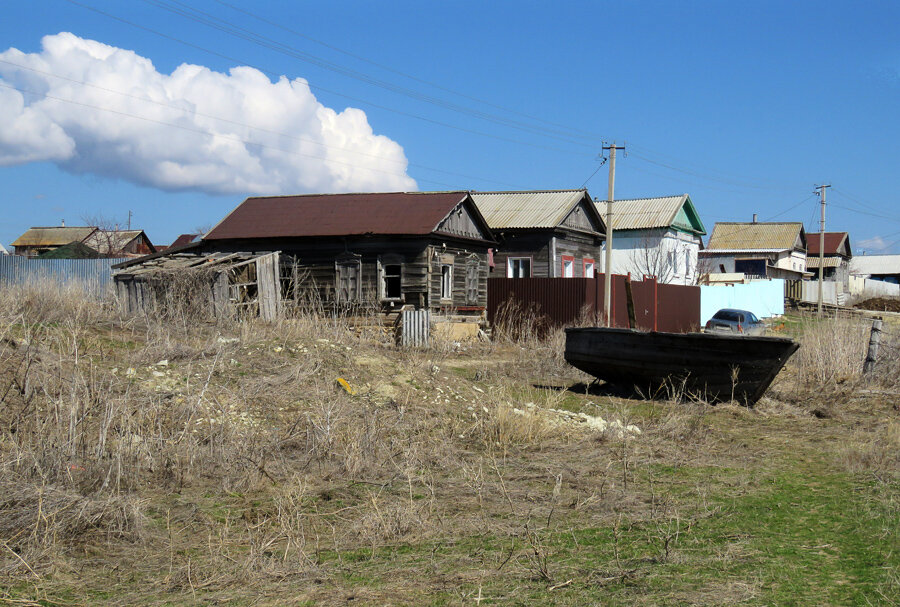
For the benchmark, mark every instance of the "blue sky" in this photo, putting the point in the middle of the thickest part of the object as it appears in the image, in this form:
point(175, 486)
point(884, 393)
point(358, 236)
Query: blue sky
point(745, 106)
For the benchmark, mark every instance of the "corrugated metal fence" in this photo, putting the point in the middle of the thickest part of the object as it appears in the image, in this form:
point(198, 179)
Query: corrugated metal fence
point(94, 274)
point(415, 328)
point(564, 301)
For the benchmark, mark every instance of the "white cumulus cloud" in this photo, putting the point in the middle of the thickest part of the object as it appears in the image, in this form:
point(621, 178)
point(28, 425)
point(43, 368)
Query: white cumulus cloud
point(94, 108)
point(875, 244)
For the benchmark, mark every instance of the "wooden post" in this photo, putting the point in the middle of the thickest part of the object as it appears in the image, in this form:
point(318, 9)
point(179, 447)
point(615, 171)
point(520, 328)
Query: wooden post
point(629, 298)
point(874, 342)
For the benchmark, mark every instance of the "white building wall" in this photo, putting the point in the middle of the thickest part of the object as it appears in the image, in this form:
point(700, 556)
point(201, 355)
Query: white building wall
point(671, 256)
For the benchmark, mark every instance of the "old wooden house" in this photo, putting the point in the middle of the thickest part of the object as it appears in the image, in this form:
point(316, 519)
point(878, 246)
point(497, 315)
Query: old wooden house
point(837, 255)
point(38, 240)
point(383, 251)
point(553, 234)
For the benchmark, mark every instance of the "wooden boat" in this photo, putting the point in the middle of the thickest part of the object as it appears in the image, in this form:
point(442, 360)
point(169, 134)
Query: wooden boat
point(713, 367)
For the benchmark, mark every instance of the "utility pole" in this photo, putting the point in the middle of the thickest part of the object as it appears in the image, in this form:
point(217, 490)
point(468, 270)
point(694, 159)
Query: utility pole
point(610, 196)
point(820, 190)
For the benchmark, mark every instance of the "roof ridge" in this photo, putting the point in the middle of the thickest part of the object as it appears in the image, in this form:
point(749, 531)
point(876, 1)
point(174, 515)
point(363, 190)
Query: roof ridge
point(310, 194)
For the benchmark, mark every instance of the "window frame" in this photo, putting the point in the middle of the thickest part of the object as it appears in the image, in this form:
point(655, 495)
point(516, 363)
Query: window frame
point(342, 264)
point(584, 264)
point(383, 262)
point(446, 282)
point(509, 265)
point(473, 279)
point(563, 260)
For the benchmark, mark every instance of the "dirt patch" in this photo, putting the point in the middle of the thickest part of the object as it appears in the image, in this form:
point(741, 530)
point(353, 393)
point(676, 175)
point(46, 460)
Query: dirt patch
point(880, 304)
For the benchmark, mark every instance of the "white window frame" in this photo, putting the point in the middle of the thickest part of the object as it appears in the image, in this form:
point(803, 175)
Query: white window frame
point(570, 261)
point(446, 282)
point(586, 263)
point(510, 262)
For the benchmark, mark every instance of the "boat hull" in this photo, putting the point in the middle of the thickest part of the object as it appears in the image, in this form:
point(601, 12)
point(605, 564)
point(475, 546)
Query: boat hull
point(698, 365)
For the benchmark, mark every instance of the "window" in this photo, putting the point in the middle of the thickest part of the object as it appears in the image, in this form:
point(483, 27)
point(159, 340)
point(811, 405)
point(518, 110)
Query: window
point(446, 281)
point(347, 280)
point(472, 282)
point(568, 266)
point(588, 267)
point(391, 280)
point(518, 267)
point(687, 262)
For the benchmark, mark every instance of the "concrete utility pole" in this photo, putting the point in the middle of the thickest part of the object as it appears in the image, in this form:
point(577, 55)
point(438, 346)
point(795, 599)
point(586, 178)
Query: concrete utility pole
point(610, 196)
point(820, 190)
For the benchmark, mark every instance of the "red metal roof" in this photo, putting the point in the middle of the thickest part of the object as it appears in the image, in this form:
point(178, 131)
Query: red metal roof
point(185, 239)
point(412, 213)
point(833, 241)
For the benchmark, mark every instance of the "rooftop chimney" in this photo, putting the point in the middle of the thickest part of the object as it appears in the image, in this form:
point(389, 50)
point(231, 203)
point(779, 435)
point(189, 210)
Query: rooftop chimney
point(754, 218)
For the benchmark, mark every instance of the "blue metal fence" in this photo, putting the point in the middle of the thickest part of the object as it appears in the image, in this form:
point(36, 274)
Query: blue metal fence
point(91, 273)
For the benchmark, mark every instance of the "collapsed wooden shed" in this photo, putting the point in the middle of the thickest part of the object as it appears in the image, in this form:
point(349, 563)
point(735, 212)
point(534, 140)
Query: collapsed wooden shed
point(213, 284)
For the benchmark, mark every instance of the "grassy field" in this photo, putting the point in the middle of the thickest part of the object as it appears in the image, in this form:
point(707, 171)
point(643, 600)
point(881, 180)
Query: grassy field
point(174, 461)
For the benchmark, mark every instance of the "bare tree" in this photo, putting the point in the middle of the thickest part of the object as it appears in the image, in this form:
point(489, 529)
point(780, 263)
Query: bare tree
point(106, 240)
point(650, 258)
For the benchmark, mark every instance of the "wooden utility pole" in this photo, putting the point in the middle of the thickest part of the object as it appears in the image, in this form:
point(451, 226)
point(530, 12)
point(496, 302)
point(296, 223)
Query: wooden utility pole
point(820, 190)
point(610, 196)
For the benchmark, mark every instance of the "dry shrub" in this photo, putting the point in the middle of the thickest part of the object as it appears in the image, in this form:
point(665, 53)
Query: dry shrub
point(36, 521)
point(887, 368)
point(519, 322)
point(831, 352)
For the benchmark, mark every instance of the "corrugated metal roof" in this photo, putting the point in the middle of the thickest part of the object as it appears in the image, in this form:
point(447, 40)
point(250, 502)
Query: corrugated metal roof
point(390, 213)
point(829, 262)
point(868, 265)
point(642, 213)
point(754, 236)
point(535, 209)
point(833, 242)
point(52, 236)
point(111, 241)
point(657, 212)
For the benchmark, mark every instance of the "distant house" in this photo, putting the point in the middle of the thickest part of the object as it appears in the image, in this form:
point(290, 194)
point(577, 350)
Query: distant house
point(185, 239)
point(837, 256)
point(120, 243)
point(43, 239)
point(553, 233)
point(756, 249)
point(877, 267)
point(421, 250)
point(659, 237)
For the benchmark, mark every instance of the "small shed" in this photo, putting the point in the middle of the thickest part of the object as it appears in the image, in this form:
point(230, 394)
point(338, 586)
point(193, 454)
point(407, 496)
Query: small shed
point(205, 284)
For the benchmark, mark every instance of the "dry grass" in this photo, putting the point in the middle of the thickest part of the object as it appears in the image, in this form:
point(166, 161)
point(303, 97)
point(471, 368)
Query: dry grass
point(221, 461)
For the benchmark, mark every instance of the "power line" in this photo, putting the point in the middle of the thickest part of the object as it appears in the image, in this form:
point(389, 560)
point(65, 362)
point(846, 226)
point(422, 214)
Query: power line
point(400, 72)
point(236, 123)
point(218, 135)
point(275, 74)
point(248, 35)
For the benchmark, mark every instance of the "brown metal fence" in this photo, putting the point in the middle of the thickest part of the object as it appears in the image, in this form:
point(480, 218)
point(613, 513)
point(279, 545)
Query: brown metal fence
point(564, 301)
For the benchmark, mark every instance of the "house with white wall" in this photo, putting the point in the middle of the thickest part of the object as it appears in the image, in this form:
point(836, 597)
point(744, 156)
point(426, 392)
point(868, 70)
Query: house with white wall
point(658, 237)
point(756, 249)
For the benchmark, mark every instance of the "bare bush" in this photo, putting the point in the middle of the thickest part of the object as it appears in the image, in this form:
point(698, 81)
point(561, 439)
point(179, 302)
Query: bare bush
point(832, 351)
